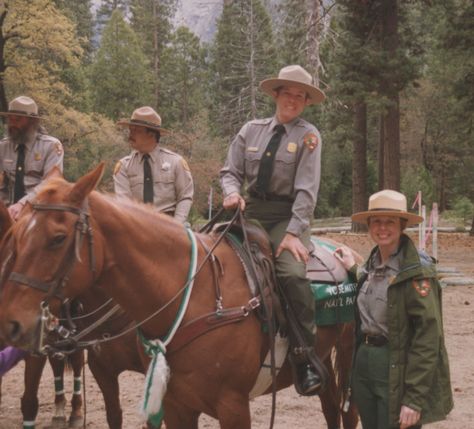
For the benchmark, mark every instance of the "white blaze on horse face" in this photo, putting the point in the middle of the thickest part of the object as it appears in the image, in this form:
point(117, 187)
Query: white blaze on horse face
point(31, 224)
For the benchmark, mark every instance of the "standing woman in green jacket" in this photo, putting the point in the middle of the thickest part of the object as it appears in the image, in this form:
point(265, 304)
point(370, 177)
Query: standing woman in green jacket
point(401, 373)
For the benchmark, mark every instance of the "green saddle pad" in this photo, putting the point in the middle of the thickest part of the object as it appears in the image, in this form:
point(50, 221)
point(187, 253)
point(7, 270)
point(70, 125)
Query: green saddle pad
point(334, 303)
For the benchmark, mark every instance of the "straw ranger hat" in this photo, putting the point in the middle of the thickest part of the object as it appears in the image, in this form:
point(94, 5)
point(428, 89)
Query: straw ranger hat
point(144, 117)
point(22, 106)
point(387, 203)
point(294, 76)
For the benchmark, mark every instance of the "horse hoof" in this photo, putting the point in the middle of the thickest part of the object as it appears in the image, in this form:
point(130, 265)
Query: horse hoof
point(57, 423)
point(76, 422)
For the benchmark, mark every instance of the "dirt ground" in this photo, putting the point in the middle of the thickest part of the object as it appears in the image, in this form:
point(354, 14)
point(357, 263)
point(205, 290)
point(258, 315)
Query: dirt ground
point(455, 251)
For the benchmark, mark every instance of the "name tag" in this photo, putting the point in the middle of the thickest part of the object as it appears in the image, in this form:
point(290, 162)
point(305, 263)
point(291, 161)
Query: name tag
point(252, 149)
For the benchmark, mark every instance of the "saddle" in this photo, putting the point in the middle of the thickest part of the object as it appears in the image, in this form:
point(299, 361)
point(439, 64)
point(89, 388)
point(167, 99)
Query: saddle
point(323, 266)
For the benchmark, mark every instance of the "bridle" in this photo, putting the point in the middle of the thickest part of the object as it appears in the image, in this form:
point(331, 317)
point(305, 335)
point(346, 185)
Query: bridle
point(54, 288)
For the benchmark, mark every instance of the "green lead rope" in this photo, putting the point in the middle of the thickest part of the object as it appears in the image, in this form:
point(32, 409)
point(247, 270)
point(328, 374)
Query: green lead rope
point(158, 371)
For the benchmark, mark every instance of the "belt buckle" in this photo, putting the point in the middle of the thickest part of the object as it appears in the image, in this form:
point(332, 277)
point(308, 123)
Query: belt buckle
point(366, 339)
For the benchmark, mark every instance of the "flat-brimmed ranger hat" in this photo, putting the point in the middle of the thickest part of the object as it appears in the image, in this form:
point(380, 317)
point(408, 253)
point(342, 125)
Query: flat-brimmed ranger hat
point(22, 106)
point(294, 75)
point(387, 203)
point(144, 117)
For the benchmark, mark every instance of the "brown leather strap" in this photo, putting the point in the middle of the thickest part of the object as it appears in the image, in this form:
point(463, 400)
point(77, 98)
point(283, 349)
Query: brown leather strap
point(203, 324)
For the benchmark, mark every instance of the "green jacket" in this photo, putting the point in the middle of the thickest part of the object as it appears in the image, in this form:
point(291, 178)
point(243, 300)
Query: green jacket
point(419, 369)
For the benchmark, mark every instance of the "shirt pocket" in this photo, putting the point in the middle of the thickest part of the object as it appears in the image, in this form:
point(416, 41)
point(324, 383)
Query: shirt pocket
point(136, 186)
point(164, 186)
point(252, 163)
point(284, 171)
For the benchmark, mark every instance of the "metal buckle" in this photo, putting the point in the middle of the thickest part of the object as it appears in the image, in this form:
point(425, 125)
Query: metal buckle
point(254, 303)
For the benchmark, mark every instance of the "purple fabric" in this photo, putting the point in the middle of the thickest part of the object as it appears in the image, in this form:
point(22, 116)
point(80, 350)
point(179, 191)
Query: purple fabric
point(9, 357)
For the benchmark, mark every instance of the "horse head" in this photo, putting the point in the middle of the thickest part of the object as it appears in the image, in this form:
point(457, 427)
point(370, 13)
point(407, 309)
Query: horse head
point(53, 247)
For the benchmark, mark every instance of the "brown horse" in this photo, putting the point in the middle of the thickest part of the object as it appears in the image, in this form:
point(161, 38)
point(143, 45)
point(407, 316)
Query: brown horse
point(106, 362)
point(141, 259)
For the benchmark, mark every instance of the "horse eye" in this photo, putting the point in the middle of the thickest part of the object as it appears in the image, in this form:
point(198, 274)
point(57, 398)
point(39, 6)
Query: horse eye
point(57, 241)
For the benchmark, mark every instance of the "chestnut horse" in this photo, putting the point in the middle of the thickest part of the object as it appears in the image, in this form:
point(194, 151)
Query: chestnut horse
point(72, 238)
point(106, 362)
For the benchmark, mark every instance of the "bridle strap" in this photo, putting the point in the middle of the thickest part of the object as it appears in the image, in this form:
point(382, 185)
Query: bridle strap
point(36, 284)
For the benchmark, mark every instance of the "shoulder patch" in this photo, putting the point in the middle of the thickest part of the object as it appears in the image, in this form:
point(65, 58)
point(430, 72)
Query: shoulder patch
point(117, 167)
point(311, 141)
point(185, 164)
point(422, 286)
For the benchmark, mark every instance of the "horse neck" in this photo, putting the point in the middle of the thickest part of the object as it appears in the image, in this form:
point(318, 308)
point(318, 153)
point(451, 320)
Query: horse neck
point(145, 259)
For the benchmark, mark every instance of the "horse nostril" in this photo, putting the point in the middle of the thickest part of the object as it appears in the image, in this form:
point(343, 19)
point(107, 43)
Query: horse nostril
point(14, 332)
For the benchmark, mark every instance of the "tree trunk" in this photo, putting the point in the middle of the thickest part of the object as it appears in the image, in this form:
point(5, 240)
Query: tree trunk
point(359, 163)
point(391, 118)
point(156, 57)
point(3, 66)
point(472, 227)
point(313, 36)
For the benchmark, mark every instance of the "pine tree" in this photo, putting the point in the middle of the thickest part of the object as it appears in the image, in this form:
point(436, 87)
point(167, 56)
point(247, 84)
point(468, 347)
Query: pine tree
point(151, 20)
point(120, 74)
point(184, 78)
point(243, 54)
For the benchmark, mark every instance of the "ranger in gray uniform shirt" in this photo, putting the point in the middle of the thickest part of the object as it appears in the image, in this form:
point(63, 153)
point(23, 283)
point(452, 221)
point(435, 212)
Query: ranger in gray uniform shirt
point(152, 174)
point(27, 154)
point(279, 159)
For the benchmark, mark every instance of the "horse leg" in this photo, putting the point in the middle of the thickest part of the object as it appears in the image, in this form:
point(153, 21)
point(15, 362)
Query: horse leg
point(345, 348)
point(109, 386)
point(34, 366)
point(233, 411)
point(329, 402)
point(59, 418)
point(77, 362)
point(178, 415)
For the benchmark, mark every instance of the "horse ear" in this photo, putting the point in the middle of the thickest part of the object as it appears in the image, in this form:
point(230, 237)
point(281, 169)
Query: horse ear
point(54, 172)
point(86, 184)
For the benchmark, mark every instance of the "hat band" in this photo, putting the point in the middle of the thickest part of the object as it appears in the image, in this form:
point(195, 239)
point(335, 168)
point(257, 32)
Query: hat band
point(386, 210)
point(22, 112)
point(147, 123)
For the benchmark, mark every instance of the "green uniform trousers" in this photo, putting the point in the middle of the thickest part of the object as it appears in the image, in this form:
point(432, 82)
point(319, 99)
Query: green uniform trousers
point(370, 386)
point(274, 216)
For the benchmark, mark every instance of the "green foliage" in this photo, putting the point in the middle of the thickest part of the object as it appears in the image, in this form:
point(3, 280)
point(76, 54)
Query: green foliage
point(184, 78)
point(463, 208)
point(41, 43)
point(416, 179)
point(120, 75)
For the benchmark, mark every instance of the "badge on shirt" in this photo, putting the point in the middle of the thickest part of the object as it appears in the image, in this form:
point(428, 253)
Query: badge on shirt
point(117, 167)
point(292, 147)
point(37, 156)
point(185, 164)
point(59, 148)
point(311, 141)
point(423, 287)
point(165, 166)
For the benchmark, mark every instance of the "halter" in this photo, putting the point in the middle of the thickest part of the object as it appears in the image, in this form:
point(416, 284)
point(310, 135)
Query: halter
point(54, 288)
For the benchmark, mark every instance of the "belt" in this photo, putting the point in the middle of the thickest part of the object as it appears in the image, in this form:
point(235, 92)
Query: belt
point(270, 197)
point(375, 340)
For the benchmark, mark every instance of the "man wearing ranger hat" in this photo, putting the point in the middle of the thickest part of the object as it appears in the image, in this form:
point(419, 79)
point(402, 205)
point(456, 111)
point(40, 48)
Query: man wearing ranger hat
point(152, 174)
point(27, 154)
point(279, 159)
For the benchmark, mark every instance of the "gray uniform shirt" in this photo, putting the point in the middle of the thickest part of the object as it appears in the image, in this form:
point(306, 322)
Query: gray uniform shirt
point(41, 155)
point(297, 165)
point(172, 181)
point(372, 298)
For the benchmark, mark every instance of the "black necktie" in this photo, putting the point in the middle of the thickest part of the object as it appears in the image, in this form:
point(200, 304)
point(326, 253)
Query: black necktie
point(266, 163)
point(147, 180)
point(19, 189)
